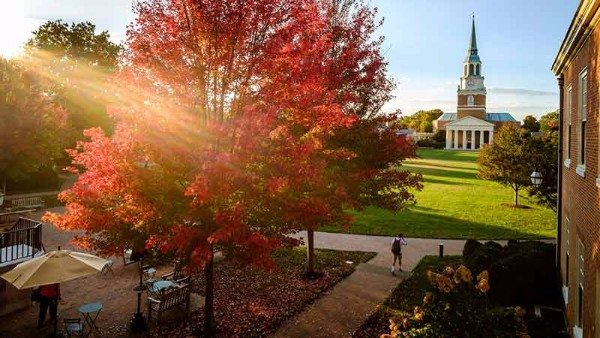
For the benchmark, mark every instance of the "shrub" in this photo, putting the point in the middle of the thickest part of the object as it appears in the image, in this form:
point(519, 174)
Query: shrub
point(430, 143)
point(522, 272)
point(456, 305)
point(440, 136)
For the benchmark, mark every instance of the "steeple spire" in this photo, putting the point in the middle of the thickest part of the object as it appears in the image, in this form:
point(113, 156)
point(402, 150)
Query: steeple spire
point(473, 42)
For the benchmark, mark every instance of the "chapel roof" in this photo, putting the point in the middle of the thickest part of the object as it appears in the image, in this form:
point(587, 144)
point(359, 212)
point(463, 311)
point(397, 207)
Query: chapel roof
point(490, 117)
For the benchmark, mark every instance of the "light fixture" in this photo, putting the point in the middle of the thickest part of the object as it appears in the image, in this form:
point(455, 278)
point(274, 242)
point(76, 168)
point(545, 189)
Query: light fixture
point(536, 178)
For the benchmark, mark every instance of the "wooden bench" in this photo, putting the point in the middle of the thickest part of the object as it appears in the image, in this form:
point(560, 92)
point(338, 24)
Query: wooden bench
point(163, 301)
point(34, 202)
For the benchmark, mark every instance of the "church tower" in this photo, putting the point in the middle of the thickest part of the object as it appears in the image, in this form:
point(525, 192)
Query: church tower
point(471, 91)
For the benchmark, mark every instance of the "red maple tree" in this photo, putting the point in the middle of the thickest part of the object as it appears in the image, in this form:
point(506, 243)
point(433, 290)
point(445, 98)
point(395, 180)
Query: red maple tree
point(239, 121)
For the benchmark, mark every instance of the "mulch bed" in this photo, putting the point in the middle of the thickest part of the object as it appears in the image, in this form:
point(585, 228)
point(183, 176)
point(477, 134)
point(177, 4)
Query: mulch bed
point(251, 302)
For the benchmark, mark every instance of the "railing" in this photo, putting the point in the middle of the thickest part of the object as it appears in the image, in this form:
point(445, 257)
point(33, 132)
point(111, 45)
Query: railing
point(13, 216)
point(22, 241)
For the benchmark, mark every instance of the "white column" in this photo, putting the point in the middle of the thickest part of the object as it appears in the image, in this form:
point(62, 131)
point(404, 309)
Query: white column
point(491, 136)
point(472, 139)
point(447, 138)
point(464, 143)
point(481, 133)
point(455, 145)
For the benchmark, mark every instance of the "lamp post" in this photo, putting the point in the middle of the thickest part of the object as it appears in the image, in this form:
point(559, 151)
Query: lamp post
point(536, 178)
point(138, 321)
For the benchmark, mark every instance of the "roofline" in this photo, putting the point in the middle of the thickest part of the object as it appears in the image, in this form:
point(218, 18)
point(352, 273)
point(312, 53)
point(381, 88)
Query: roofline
point(584, 20)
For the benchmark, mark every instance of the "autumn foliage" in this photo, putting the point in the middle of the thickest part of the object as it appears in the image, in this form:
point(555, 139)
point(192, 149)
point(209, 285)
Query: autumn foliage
point(238, 123)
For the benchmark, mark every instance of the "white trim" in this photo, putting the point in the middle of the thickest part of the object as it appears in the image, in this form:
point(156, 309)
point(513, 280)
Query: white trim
point(565, 293)
point(580, 170)
point(567, 163)
point(577, 332)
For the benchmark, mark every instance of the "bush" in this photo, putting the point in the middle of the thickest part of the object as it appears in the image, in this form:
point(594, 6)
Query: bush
point(522, 272)
point(440, 136)
point(430, 143)
point(456, 305)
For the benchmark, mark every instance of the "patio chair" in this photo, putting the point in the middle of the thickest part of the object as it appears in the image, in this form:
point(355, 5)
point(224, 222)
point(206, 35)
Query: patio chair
point(73, 327)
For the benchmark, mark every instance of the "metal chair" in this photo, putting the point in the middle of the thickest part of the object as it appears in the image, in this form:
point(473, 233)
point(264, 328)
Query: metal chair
point(73, 327)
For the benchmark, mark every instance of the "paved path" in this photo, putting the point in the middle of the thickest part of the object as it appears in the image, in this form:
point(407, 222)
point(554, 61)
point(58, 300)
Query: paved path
point(354, 299)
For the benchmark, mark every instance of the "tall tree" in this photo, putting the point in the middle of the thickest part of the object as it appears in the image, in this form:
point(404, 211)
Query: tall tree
point(75, 63)
point(549, 122)
point(544, 159)
point(507, 159)
point(30, 124)
point(234, 128)
point(531, 124)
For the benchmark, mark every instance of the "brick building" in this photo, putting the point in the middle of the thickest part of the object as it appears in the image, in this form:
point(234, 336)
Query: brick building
point(578, 238)
point(471, 126)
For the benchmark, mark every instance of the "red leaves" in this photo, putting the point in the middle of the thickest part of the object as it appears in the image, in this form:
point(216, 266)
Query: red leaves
point(239, 122)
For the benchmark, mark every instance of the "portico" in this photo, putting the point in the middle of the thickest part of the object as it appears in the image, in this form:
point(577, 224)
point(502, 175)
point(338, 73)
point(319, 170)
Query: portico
point(469, 133)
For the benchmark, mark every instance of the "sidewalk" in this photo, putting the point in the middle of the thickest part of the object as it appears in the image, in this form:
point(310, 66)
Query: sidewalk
point(355, 298)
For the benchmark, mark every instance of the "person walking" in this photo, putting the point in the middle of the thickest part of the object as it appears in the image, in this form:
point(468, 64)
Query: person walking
point(48, 296)
point(397, 244)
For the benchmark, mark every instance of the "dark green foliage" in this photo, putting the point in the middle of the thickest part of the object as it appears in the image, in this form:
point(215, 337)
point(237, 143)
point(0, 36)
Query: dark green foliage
point(440, 136)
point(531, 124)
point(430, 143)
point(544, 159)
point(44, 179)
point(479, 257)
point(521, 273)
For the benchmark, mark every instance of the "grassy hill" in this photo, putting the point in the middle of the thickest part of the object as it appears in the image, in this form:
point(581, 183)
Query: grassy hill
point(455, 203)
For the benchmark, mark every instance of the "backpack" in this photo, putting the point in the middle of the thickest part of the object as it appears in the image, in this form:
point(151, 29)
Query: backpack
point(396, 245)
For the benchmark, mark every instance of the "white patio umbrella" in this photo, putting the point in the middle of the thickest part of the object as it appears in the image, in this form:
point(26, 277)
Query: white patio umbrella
point(54, 267)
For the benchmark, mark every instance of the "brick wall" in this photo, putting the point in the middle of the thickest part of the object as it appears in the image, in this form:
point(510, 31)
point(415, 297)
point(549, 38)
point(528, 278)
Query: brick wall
point(581, 195)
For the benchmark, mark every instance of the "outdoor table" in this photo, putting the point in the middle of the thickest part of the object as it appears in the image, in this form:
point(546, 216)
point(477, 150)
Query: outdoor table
point(88, 310)
point(162, 285)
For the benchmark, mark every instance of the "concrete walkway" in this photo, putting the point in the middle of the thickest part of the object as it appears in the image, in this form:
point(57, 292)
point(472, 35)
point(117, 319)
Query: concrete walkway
point(354, 299)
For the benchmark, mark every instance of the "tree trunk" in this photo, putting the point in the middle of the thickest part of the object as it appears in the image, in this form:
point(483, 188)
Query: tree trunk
point(516, 197)
point(209, 320)
point(310, 253)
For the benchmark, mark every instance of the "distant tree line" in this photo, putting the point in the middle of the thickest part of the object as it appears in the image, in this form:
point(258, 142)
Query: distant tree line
point(421, 121)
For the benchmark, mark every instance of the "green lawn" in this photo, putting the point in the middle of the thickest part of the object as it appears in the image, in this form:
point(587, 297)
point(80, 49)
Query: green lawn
point(455, 203)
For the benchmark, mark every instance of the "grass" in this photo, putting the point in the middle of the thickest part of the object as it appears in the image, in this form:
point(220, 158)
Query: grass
point(455, 203)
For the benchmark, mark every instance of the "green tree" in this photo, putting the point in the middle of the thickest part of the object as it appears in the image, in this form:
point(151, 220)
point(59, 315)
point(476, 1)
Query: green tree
point(530, 123)
point(544, 159)
point(75, 61)
point(421, 121)
point(549, 122)
point(507, 160)
point(30, 125)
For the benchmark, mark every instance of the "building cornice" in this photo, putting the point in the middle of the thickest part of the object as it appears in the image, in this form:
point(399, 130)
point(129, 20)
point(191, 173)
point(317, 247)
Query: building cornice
point(584, 21)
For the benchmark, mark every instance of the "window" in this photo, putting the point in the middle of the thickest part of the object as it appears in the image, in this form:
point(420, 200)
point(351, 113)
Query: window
point(566, 247)
point(471, 70)
point(582, 114)
point(569, 105)
point(477, 68)
point(470, 100)
point(580, 284)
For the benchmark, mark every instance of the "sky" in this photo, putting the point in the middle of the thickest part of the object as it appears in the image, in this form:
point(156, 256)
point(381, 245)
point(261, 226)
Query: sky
point(425, 44)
